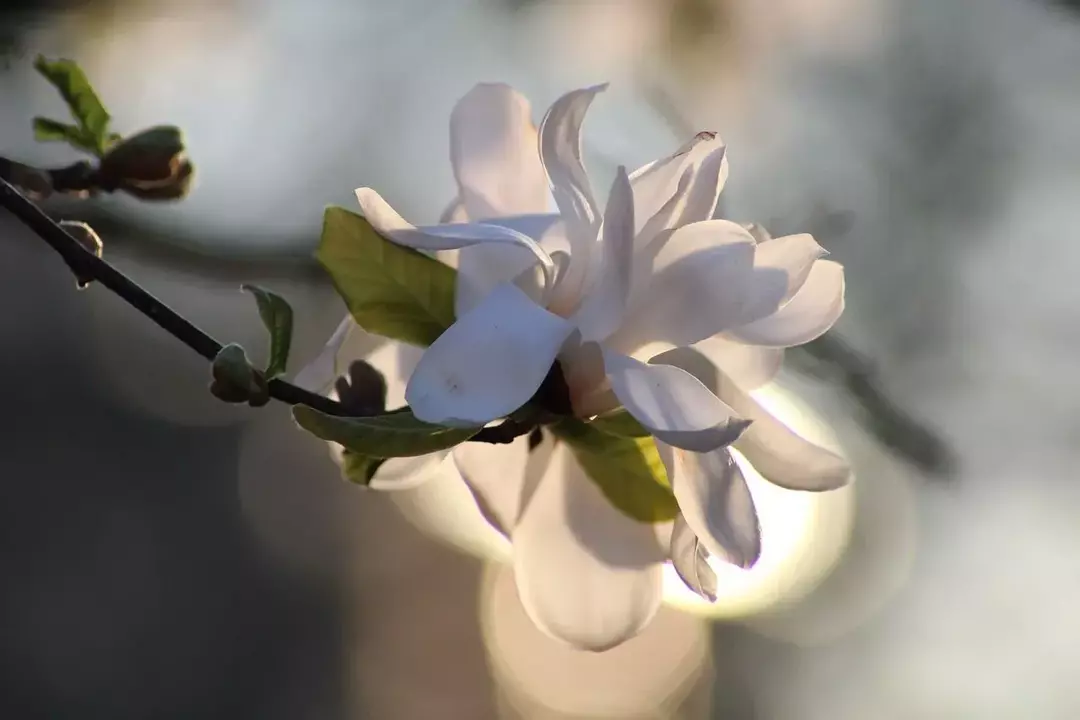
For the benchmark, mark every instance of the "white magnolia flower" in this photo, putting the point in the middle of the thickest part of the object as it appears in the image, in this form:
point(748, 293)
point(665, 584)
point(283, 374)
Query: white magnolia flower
point(648, 304)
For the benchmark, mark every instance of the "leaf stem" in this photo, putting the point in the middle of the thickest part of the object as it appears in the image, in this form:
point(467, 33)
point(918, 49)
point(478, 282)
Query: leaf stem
point(86, 265)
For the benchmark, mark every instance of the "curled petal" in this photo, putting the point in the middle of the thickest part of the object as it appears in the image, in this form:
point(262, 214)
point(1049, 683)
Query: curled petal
point(715, 502)
point(814, 309)
point(488, 363)
point(586, 574)
point(482, 268)
point(604, 306)
point(560, 153)
point(454, 213)
point(493, 153)
point(778, 453)
point(672, 404)
point(388, 223)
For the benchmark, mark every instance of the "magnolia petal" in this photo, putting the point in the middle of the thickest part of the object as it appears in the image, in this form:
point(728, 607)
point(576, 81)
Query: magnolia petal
point(751, 366)
point(482, 268)
point(666, 218)
point(709, 180)
point(807, 316)
point(388, 223)
point(715, 502)
point(602, 310)
point(795, 255)
point(672, 404)
point(654, 184)
point(560, 153)
point(691, 560)
point(779, 454)
point(586, 574)
point(758, 231)
point(488, 363)
point(496, 476)
point(704, 283)
point(321, 372)
point(454, 213)
point(493, 153)
point(406, 473)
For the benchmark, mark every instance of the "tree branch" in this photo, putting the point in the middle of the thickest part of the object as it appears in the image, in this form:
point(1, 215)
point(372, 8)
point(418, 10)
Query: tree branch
point(88, 266)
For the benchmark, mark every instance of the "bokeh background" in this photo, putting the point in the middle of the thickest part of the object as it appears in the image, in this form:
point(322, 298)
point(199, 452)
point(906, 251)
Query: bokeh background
point(163, 555)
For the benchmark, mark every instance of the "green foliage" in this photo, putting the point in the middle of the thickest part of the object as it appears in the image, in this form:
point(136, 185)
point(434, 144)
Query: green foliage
point(628, 470)
point(396, 434)
point(277, 316)
point(48, 130)
point(92, 131)
point(390, 290)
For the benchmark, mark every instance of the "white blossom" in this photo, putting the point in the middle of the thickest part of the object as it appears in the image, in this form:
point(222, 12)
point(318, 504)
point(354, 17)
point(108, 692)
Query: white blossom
point(646, 303)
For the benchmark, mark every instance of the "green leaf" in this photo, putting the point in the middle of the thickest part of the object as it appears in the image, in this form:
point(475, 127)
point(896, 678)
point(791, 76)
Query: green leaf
point(86, 108)
point(48, 130)
point(390, 290)
point(277, 316)
point(619, 423)
point(397, 434)
point(628, 471)
point(359, 469)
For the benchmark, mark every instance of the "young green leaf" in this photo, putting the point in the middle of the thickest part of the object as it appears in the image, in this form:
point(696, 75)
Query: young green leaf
point(48, 130)
point(397, 434)
point(619, 423)
point(86, 108)
point(390, 290)
point(277, 316)
point(628, 471)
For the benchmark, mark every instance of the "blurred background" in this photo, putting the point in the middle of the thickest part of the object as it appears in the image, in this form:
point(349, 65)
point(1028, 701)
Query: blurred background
point(163, 555)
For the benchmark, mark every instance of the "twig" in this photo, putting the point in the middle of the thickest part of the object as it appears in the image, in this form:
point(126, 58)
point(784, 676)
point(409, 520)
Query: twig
point(86, 265)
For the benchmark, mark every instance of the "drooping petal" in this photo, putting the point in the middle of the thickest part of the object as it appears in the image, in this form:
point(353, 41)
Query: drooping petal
point(321, 372)
point(560, 153)
point(654, 184)
point(690, 560)
point(716, 503)
point(781, 456)
point(493, 153)
point(602, 310)
point(496, 476)
point(704, 283)
point(750, 366)
point(814, 309)
point(672, 404)
point(489, 362)
point(388, 223)
point(586, 574)
point(482, 268)
point(795, 255)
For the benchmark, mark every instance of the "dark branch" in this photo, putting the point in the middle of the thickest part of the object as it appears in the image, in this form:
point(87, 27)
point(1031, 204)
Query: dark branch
point(86, 265)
